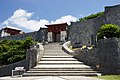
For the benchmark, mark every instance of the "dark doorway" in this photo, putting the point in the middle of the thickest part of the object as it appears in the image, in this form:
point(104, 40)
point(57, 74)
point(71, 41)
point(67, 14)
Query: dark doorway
point(56, 37)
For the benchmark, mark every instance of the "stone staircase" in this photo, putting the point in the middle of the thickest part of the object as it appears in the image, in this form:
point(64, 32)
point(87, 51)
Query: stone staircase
point(55, 62)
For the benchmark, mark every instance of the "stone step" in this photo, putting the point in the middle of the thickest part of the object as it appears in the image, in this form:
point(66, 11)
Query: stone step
point(63, 66)
point(60, 74)
point(62, 69)
point(60, 62)
point(67, 56)
point(51, 50)
point(62, 58)
point(55, 62)
point(56, 54)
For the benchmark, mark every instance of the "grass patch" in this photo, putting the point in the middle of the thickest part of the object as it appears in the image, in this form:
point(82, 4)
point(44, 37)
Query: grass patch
point(75, 49)
point(110, 77)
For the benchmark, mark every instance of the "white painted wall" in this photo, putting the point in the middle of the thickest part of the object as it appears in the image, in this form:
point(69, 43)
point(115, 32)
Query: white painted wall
point(49, 36)
point(3, 33)
point(62, 35)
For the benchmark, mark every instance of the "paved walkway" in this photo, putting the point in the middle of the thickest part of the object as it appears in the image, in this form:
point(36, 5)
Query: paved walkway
point(50, 78)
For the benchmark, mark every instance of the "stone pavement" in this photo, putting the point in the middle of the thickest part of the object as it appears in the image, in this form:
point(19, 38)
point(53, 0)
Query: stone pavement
point(50, 78)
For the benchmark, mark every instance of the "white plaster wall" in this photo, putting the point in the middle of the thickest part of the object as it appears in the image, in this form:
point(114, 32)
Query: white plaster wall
point(62, 35)
point(49, 36)
point(3, 33)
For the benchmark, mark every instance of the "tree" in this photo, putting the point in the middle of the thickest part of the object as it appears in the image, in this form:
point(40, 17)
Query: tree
point(108, 31)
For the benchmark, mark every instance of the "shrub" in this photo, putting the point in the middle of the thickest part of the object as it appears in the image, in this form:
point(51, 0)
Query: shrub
point(91, 16)
point(28, 42)
point(12, 51)
point(108, 31)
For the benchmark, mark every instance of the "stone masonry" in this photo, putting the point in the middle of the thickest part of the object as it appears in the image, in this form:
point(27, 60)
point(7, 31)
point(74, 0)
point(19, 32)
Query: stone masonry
point(85, 32)
point(40, 35)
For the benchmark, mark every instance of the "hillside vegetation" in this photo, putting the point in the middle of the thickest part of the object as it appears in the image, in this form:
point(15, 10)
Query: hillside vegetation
point(91, 16)
point(12, 51)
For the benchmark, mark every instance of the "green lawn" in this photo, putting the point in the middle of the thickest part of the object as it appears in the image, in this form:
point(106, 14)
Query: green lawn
point(110, 77)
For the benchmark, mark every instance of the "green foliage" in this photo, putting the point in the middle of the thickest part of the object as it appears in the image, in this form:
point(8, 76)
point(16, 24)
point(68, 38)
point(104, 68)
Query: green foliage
point(14, 50)
point(28, 42)
point(108, 31)
point(91, 16)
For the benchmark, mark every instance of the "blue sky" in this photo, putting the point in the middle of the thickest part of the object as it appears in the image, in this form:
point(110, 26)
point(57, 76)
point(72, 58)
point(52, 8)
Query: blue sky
point(30, 15)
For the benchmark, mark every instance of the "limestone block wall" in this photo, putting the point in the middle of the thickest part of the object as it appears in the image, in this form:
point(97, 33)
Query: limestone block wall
point(109, 55)
point(106, 55)
point(112, 14)
point(85, 32)
point(19, 36)
point(7, 70)
point(40, 35)
point(80, 32)
point(89, 57)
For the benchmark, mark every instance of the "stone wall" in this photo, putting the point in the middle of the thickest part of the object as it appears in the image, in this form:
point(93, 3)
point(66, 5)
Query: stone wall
point(7, 70)
point(80, 32)
point(106, 55)
point(85, 32)
point(40, 35)
point(109, 55)
point(89, 57)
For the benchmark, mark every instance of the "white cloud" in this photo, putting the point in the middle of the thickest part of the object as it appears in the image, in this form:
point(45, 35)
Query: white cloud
point(64, 19)
point(21, 13)
point(21, 19)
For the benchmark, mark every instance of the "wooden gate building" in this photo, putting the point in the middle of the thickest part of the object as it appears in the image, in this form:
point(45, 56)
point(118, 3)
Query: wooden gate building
point(57, 32)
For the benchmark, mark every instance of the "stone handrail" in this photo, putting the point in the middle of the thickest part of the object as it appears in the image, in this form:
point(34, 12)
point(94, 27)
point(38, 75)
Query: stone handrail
point(66, 46)
point(34, 55)
point(40, 52)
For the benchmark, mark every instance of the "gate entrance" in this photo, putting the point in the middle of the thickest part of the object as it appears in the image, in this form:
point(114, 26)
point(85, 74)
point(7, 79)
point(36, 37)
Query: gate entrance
point(55, 32)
